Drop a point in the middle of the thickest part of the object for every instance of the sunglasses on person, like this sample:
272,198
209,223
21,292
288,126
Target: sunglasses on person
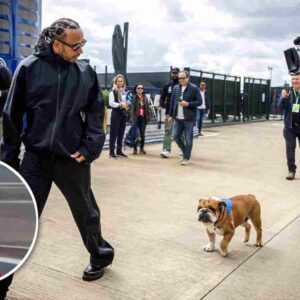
182,78
139,88
74,47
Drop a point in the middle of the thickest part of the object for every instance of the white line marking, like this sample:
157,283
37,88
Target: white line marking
209,135
10,260
16,202
11,183
14,247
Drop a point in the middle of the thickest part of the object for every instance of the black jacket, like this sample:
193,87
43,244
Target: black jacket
5,81
192,96
166,93
63,105
134,109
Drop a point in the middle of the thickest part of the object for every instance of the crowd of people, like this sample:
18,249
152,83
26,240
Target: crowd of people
185,105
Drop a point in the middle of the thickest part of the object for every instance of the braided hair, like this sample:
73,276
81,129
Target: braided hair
54,31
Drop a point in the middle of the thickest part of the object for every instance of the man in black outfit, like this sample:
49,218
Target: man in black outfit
5,80
64,109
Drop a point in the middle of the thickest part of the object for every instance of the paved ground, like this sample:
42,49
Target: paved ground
148,210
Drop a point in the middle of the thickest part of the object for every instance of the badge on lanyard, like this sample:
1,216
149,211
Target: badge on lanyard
296,106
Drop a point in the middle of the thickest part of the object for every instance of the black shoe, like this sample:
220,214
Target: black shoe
113,155
121,154
290,176
92,272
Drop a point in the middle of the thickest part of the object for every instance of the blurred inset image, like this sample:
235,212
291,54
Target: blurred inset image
18,221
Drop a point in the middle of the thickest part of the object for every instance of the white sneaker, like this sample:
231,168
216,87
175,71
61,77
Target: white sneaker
165,154
185,162
180,153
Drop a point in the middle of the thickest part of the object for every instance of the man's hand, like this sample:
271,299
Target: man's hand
170,119
159,109
78,157
285,93
183,103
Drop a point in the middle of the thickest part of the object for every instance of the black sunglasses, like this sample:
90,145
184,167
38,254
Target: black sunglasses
182,78
139,88
74,47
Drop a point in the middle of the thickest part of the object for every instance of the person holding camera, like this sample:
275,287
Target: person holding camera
290,104
119,105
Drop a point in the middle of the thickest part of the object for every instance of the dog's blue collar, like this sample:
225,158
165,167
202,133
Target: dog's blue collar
228,203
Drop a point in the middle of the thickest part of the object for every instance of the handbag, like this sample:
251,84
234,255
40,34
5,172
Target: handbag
132,137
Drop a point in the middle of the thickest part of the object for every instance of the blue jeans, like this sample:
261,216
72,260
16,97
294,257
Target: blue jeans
181,126
200,114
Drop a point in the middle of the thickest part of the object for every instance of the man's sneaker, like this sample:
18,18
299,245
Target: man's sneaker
121,154
113,155
180,153
185,162
165,154
291,176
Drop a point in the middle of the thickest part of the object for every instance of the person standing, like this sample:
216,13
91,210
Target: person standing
165,101
5,81
290,104
183,109
55,89
140,114
201,110
119,114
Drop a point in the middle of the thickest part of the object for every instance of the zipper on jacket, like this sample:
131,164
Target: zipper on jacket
57,107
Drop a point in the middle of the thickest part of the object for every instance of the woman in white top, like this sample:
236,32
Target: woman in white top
117,101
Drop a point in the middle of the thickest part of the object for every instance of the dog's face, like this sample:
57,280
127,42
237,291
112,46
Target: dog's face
210,210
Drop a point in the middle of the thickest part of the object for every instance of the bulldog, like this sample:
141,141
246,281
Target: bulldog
222,216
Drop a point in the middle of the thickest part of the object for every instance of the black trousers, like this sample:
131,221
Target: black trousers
291,136
74,181
117,129
4,285
141,125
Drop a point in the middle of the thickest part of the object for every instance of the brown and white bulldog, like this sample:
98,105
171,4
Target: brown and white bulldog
223,216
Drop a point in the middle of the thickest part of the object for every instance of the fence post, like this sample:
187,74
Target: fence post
106,77
268,99
234,99
213,100
224,100
260,99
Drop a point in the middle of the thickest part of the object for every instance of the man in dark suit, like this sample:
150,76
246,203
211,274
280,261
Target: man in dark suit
183,109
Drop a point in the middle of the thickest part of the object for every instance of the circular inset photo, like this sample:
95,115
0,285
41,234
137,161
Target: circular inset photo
18,221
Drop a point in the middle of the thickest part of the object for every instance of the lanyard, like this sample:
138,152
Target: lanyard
296,94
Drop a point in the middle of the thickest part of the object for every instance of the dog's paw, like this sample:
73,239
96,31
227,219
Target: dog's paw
209,248
224,252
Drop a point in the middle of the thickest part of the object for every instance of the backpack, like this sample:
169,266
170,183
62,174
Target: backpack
132,137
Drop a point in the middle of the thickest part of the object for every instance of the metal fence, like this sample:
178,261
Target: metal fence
256,98
227,101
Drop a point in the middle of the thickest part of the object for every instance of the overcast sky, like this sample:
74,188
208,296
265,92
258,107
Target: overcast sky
234,37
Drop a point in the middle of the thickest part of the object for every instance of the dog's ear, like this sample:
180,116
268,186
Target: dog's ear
223,214
198,207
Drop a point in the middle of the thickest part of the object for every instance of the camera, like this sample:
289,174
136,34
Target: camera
292,57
